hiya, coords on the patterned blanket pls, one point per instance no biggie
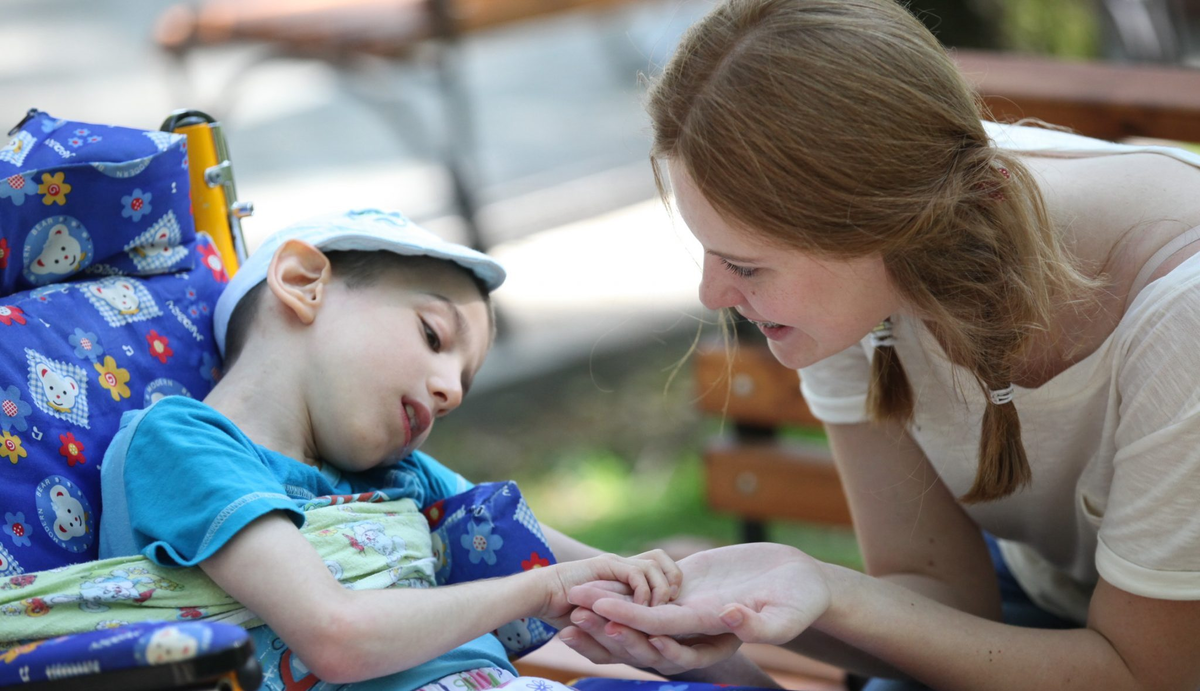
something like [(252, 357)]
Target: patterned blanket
[(366, 542)]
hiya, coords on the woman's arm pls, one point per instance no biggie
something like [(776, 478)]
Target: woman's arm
[(928, 606), (350, 635)]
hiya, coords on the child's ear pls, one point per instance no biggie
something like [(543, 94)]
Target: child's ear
[(298, 276)]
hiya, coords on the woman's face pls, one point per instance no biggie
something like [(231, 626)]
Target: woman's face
[(808, 308)]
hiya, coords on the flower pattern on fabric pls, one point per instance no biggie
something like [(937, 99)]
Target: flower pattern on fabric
[(10, 314), (211, 258), (54, 188), (17, 528), (75, 142), (86, 344), (113, 378), (94, 138), (3, 253), (35, 607), (15, 187), (71, 449), (159, 348), (13, 410), (535, 561), (481, 544), (435, 512), (10, 448), (136, 205)]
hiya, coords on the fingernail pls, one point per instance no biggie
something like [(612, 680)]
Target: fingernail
[(657, 643), (732, 617), (569, 640), (578, 620), (616, 635)]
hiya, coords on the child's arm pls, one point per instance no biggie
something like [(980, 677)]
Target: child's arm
[(350, 635)]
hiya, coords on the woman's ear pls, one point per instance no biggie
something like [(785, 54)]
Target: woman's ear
[(298, 276)]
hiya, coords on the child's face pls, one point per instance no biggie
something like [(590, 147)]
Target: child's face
[(388, 360)]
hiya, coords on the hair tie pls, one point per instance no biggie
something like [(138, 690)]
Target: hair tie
[(881, 336), (1001, 396)]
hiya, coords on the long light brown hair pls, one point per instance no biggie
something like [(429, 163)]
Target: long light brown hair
[(842, 128)]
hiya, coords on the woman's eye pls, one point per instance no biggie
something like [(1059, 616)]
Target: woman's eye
[(742, 271), (431, 337)]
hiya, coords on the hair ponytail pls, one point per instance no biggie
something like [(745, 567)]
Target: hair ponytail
[(1003, 466), (889, 396)]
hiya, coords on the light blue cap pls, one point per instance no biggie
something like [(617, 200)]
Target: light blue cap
[(362, 230)]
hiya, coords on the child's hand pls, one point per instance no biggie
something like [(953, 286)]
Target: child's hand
[(652, 578)]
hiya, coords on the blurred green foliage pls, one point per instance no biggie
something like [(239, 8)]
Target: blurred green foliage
[(1064, 28)]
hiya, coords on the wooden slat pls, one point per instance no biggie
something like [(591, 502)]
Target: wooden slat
[(757, 391), (1103, 100), (772, 480), (388, 28)]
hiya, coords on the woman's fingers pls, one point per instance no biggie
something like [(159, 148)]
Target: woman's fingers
[(582, 642), (695, 653), (586, 595), (772, 625), (669, 619)]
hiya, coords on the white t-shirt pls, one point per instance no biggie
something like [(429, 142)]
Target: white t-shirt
[(1113, 441)]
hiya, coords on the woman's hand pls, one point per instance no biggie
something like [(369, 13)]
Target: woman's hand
[(761, 593), (647, 580), (605, 642)]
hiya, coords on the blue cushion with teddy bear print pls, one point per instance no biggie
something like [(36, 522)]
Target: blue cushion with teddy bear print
[(114, 311), (78, 197)]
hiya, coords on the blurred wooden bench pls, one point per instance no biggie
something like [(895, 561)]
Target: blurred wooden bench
[(1103, 100), (751, 471), (340, 28), (343, 32)]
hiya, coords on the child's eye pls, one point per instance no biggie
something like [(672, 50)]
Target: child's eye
[(742, 271), (431, 337)]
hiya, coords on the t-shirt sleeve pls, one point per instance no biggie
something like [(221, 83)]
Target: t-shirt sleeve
[(835, 388), (191, 481), (1149, 536)]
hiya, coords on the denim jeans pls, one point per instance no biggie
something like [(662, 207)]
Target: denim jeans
[(1018, 610)]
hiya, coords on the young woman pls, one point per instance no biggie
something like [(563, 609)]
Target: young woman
[(999, 326)]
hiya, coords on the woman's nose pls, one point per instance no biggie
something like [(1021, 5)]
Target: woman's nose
[(717, 291)]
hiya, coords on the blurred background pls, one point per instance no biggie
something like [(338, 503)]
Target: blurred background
[(525, 135)]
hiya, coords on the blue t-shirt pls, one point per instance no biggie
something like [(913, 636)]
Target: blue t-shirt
[(180, 480)]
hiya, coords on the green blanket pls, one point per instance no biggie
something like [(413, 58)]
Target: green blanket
[(365, 542)]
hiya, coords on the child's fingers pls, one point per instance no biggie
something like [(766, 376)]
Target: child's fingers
[(633, 573), (660, 589), (671, 570)]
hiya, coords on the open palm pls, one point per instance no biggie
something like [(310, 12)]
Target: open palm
[(763, 593)]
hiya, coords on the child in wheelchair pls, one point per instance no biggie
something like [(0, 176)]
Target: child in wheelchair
[(345, 339)]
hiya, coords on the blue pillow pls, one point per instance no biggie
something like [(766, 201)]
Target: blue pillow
[(81, 197), (73, 357), (486, 532)]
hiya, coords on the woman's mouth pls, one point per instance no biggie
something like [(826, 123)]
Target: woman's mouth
[(771, 330)]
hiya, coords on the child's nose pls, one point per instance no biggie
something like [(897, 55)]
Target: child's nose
[(447, 393)]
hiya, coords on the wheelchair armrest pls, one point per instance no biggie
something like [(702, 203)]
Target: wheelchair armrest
[(138, 657)]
